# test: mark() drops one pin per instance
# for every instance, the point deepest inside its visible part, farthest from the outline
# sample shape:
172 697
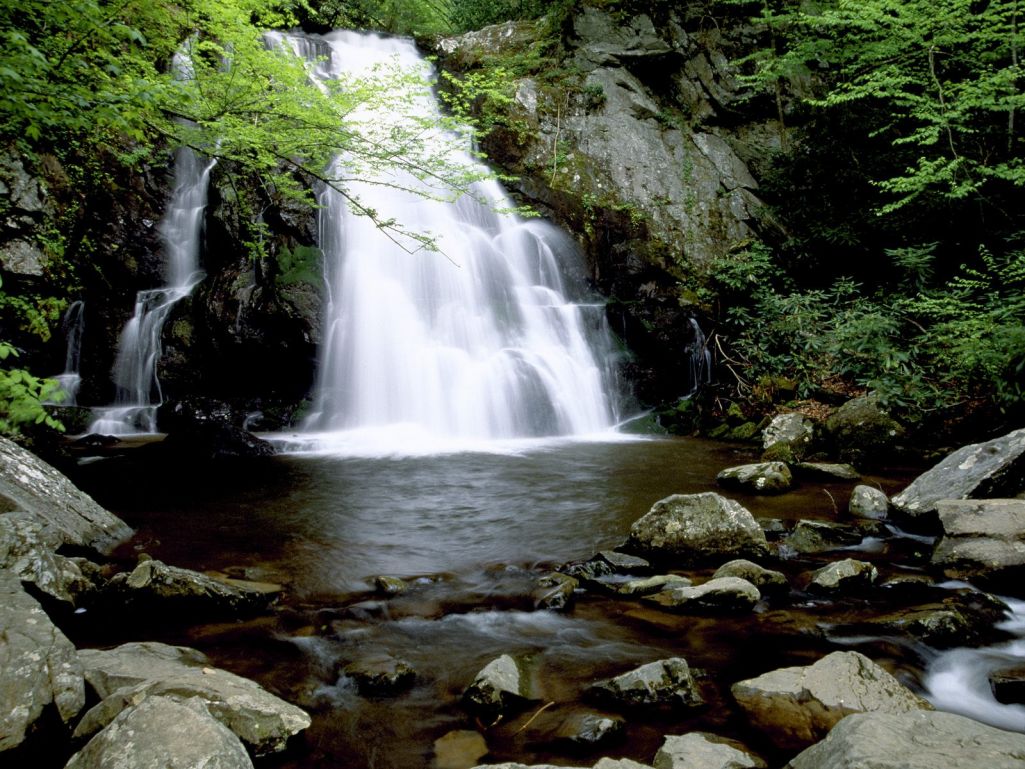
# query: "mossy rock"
745 432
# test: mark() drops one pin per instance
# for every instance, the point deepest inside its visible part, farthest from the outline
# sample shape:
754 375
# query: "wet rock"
38 665
914 740
619 763
846 576
166 733
555 591
868 502
863 432
622 563
983 543
155 585
499 687
826 471
810 536
390 585
459 749
700 750
766 580
664 682
797 706
788 437
27 547
995 468
590 729
1008 685
209 440
698 528
588 571
380 675
724 594
128 674
649 585
29 484
759 478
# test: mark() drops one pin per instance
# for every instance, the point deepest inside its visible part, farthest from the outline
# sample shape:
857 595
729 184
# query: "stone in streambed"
590 729
1008 685
27 548
868 502
380 675
766 580
700 750
983 542
758 478
555 591
390 585
499 687
459 749
649 585
846 576
724 594
788 437
811 536
664 682
156 585
826 471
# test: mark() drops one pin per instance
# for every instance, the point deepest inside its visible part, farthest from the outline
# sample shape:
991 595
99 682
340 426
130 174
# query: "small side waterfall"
73 325
699 359
487 340
135 370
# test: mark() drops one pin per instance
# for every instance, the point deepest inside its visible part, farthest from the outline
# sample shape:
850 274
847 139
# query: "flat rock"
913 740
811 536
39 666
827 470
127 674
700 750
459 749
797 706
846 576
664 682
29 484
758 478
156 585
868 502
766 580
698 528
649 585
995 468
983 542
166 733
723 594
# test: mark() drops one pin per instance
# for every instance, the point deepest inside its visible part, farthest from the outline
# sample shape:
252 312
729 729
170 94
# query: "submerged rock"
649 585
380 675
459 749
698 528
590 729
759 478
797 706
723 594
766 580
555 591
390 585
827 470
701 750
846 576
664 682
995 468
499 687
868 502
155 585
913 740
983 542
810 536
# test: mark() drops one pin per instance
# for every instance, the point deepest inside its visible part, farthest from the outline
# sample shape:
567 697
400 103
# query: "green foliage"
473 14
22 396
299 265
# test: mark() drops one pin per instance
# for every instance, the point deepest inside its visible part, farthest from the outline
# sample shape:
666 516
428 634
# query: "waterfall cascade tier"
488 339
69 380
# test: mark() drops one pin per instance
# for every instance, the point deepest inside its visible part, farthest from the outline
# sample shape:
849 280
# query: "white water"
70 379
483 342
137 387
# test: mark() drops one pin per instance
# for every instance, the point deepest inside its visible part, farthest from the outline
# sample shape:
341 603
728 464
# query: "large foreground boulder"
128 674
995 468
27 548
700 750
914 740
29 484
698 528
39 667
983 542
798 706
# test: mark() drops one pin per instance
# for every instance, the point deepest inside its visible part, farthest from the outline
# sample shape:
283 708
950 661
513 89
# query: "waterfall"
699 358
488 339
73 325
135 369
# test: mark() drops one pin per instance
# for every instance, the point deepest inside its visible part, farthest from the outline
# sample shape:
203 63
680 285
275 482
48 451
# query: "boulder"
166 733
766 580
810 536
605 564
126 675
155 585
788 437
39 666
698 528
863 432
983 543
555 591
964 619
913 740
826 471
30 485
649 585
868 502
846 576
797 706
995 468
1008 684
724 594
758 478
210 440
27 546
499 687
459 749
664 682
700 750
380 675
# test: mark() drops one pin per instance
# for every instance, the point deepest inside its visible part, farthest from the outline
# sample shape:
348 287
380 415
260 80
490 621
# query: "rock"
698 528
1008 685
459 749
846 576
29 484
700 750
39 667
499 687
995 468
205 441
913 740
810 536
622 563
555 591
797 706
155 585
868 502
22 257
603 41
165 733
590 729
380 675
788 437
965 619
619 763
128 674
649 585
826 470
724 594
759 478
27 546
983 543
862 432
390 585
664 682
766 580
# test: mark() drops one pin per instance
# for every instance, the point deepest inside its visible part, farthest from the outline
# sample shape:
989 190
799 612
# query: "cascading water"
135 369
478 342
699 359
73 325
